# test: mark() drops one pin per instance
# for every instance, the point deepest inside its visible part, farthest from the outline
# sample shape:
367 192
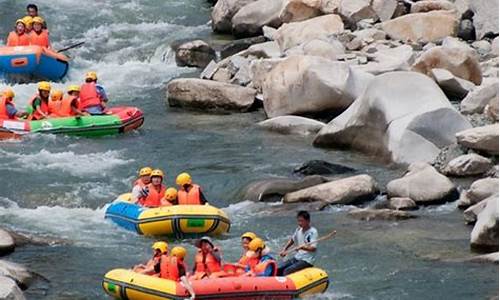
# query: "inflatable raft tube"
28 63
177 220
125 284
118 120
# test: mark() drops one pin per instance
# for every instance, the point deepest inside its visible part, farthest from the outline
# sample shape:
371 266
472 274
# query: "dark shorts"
291 266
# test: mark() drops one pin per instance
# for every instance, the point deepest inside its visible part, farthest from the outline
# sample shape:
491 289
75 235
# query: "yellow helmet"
157 172
249 235
20 21
56 95
146 171
73 88
179 252
28 20
162 246
38 19
171 194
183 179
256 244
44 86
8 93
91 75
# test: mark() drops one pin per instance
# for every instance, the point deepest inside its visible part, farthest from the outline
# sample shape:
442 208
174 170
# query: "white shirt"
299 238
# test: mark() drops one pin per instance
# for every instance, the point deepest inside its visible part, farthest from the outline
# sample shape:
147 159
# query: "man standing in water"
304 236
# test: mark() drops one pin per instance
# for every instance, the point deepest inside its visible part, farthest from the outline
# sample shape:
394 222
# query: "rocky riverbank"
409 83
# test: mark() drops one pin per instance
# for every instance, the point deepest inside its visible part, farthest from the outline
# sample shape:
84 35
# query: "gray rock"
299 10
353 11
424 185
17 272
485 16
494 47
209 70
402 203
209 95
222 75
485 258
476 101
321 48
224 11
343 191
384 9
471 213
292 125
9 289
389 60
478 191
264 50
491 109
368 214
250 19
239 45
483 138
468 165
268 32
7 244
482 47
321 167
273 189
259 69
194 54
430 5
454 87
484 235
394 123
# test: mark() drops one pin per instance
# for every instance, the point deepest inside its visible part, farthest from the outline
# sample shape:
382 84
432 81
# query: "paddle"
71 47
323 238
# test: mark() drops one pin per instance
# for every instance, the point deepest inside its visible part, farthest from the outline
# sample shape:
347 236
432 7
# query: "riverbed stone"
402 203
478 191
424 185
426 27
430 5
224 11
9 289
394 123
485 14
239 45
292 34
388 59
250 19
484 235
495 46
259 68
292 125
491 109
454 87
471 213
468 165
384 9
330 49
353 11
17 272
370 214
209 95
484 138
480 96
309 77
7 243
194 54
321 167
299 10
342 191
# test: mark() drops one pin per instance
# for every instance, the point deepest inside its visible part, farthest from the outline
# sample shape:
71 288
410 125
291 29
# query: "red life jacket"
39 39
3 109
66 109
44 107
261 267
14 39
208 265
169 268
88 95
154 196
193 197
54 108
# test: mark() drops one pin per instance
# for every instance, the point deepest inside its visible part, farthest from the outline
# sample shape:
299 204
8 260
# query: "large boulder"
353 11
471 213
485 14
460 61
479 97
292 125
478 191
430 5
19 273
239 45
396 123
299 10
424 185
468 165
7 243
194 54
321 167
402 203
209 95
250 19
259 68
484 138
9 289
311 85
491 109
224 11
370 214
343 191
452 86
426 27
293 34
484 235
384 9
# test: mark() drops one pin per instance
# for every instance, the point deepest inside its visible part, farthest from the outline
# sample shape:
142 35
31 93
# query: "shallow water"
57 186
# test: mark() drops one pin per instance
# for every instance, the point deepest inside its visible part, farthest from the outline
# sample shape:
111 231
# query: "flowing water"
56 187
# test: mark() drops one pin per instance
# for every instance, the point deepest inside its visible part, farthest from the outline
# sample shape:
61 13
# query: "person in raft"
207 262
173 267
140 191
8 108
189 193
306 254
39 103
93 97
170 197
159 248
156 190
39 36
244 261
32 11
28 23
55 102
18 37
260 263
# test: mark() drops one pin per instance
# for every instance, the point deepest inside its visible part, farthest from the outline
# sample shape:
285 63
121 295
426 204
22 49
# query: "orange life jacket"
44 106
14 39
154 196
3 109
66 109
207 264
192 197
261 267
169 268
54 108
39 39
88 95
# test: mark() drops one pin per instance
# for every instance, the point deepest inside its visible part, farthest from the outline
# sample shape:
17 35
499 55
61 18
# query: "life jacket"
39 39
88 95
65 108
54 108
261 266
3 109
154 197
207 264
169 268
14 39
193 197
44 106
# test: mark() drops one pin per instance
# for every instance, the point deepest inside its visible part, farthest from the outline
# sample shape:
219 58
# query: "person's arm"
289 244
74 108
37 106
187 285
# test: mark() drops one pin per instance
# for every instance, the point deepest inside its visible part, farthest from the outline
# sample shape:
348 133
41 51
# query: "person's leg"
283 265
297 266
